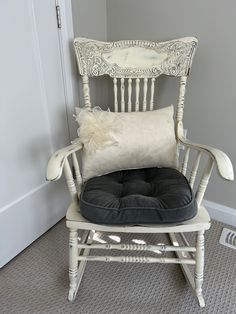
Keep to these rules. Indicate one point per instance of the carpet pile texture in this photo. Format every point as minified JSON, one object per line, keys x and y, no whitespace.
{"x":36,"y":281}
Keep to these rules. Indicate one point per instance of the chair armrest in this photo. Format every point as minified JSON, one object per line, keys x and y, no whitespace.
{"x":57,"y":160}
{"x":222,"y":161}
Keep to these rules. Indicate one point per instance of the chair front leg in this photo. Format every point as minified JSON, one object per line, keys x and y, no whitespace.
{"x":199,"y":267}
{"x":73,"y":262}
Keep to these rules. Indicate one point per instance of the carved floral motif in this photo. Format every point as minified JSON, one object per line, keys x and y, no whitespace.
{"x":171,"y":57}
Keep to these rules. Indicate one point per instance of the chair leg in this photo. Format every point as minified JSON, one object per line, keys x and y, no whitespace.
{"x":195,"y":283}
{"x":199,"y":267}
{"x":73,"y":263}
{"x":75,"y":272}
{"x":88,"y":239}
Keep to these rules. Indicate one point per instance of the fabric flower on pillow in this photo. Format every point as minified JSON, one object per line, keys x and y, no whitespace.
{"x":96,"y":128}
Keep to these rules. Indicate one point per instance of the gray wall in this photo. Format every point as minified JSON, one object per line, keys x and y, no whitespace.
{"x":90,"y":20}
{"x":210,"y":101}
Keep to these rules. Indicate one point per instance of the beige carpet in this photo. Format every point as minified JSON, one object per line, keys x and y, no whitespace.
{"x":36,"y":281}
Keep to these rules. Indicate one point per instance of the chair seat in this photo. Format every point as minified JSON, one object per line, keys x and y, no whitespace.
{"x":201,"y":221}
{"x":138,"y":196}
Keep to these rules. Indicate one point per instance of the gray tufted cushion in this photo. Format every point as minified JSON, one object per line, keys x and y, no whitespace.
{"x":153,"y":195}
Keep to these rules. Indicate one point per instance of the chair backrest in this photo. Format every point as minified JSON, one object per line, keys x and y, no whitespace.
{"x":134,"y":66}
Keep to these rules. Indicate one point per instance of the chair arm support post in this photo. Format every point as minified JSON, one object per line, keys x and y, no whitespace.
{"x":222,"y":161}
{"x":195,"y":169}
{"x":57,"y":161}
{"x":77,"y":171}
{"x":185,"y":162}
{"x":70,"y":180}
{"x":204,"y":181}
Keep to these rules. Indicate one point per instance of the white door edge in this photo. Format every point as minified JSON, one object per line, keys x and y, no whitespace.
{"x":66,"y":37}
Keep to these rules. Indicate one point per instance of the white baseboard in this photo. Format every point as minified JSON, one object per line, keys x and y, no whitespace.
{"x":221,"y":213}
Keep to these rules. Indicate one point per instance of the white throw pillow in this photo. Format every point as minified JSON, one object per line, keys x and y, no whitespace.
{"x":126,"y":140}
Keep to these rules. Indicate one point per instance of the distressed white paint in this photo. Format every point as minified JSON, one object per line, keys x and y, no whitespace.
{"x":137,"y":259}
{"x":137,"y":89}
{"x":87,"y":101}
{"x":185,"y":162}
{"x":199,"y":267}
{"x":204,"y":181}
{"x":145,"y":81}
{"x":77,"y":171}
{"x":152,"y":93}
{"x":115,"y":94}
{"x":180,"y":106}
{"x":56,"y":162}
{"x":70,"y":180}
{"x":195,"y":169}
{"x":122,"y":89}
{"x":73,"y":265}
{"x":129,"y":94}
{"x":135,"y":57}
{"x":76,"y":275}
{"x":91,"y":62}
{"x":136,"y":247}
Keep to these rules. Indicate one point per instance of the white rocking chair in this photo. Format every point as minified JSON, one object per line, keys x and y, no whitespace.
{"x":144,"y":62}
